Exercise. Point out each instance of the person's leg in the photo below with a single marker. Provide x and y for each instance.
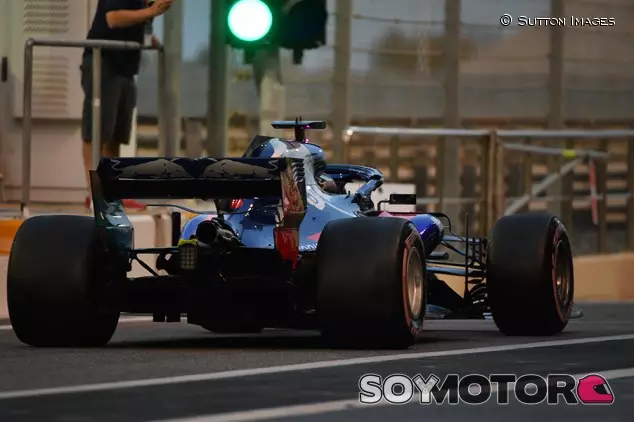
(110, 149)
(86, 123)
(110, 96)
(123, 126)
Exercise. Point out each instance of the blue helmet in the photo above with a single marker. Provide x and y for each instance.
(275, 148)
(261, 149)
(319, 157)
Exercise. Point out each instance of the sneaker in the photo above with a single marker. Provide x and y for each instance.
(131, 203)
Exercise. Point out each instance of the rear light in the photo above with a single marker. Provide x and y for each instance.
(188, 254)
(235, 204)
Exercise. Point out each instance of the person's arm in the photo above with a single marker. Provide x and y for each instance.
(117, 16)
(126, 18)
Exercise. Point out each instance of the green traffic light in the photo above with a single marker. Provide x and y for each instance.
(250, 20)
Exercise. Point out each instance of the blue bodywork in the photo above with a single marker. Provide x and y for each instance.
(277, 183)
(253, 222)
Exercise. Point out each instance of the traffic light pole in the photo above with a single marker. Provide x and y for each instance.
(267, 72)
(260, 28)
(340, 117)
(217, 86)
(173, 43)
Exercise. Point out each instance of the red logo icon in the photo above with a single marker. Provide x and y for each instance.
(594, 389)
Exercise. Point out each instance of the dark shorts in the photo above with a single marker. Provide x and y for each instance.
(118, 100)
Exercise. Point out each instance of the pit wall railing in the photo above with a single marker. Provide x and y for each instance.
(585, 176)
(164, 102)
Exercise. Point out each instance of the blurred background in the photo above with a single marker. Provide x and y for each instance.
(402, 64)
(396, 65)
(400, 73)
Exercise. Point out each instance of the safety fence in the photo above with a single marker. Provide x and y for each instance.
(391, 63)
(585, 176)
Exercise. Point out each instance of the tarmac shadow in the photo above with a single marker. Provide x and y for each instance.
(268, 339)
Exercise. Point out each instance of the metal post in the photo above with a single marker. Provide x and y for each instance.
(193, 138)
(449, 148)
(4, 112)
(217, 113)
(556, 92)
(162, 99)
(27, 127)
(173, 29)
(629, 222)
(341, 78)
(602, 206)
(27, 123)
(96, 107)
(487, 182)
(270, 87)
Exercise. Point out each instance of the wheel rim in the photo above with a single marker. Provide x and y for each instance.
(562, 279)
(414, 281)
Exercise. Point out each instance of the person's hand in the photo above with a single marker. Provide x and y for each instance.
(155, 42)
(161, 6)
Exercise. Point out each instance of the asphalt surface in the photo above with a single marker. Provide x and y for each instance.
(193, 373)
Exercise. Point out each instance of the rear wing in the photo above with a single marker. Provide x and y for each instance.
(299, 126)
(202, 178)
(195, 178)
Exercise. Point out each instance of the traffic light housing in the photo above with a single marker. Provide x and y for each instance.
(303, 24)
(297, 25)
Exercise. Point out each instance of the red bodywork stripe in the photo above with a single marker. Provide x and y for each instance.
(287, 243)
(407, 216)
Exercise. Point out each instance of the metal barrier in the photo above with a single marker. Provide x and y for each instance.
(97, 46)
(492, 200)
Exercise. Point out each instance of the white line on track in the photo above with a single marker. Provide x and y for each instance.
(214, 376)
(123, 319)
(334, 406)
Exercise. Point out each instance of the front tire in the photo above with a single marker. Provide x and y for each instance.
(371, 282)
(530, 276)
(54, 269)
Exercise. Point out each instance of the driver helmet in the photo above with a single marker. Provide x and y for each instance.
(318, 156)
(267, 149)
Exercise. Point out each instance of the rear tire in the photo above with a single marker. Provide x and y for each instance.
(54, 268)
(530, 277)
(364, 297)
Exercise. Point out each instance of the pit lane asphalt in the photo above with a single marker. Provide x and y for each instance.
(145, 350)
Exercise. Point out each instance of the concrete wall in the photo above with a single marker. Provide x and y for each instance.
(598, 278)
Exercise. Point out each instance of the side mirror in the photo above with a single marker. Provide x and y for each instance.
(403, 199)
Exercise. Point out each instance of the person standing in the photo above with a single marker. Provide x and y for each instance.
(120, 20)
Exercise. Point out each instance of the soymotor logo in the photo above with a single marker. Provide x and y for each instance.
(478, 389)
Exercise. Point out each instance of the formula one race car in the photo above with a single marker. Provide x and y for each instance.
(289, 247)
